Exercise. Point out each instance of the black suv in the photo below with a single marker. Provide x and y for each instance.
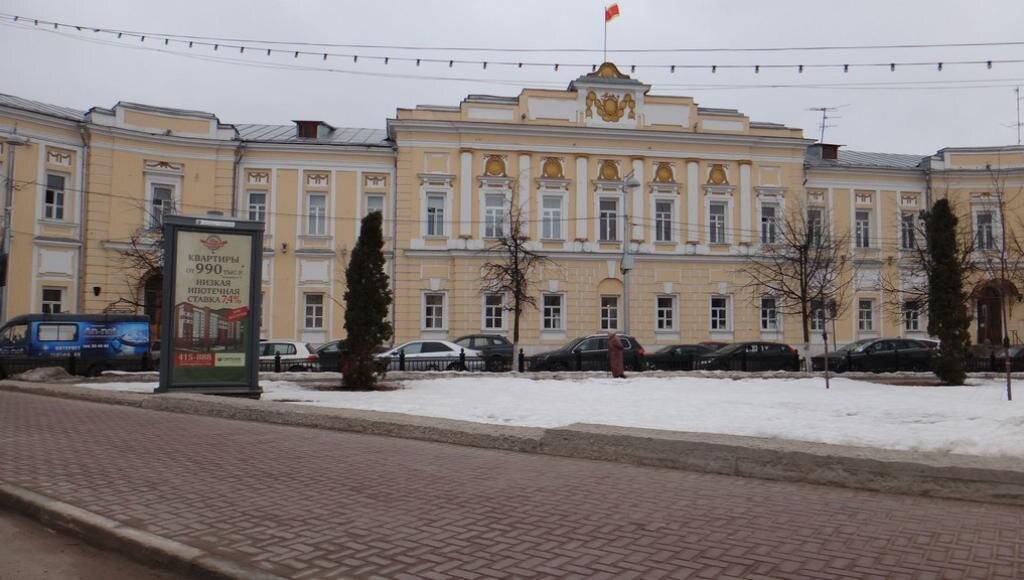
(752, 356)
(879, 355)
(589, 353)
(496, 348)
(678, 357)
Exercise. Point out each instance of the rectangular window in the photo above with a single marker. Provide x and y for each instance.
(161, 204)
(257, 206)
(865, 315)
(494, 312)
(53, 204)
(316, 214)
(908, 231)
(374, 203)
(494, 215)
(911, 317)
(815, 226)
(314, 310)
(769, 314)
(716, 223)
(609, 313)
(552, 312)
(435, 215)
(53, 300)
(666, 313)
(551, 217)
(719, 313)
(433, 311)
(58, 332)
(818, 316)
(984, 230)
(663, 221)
(768, 224)
(608, 220)
(862, 228)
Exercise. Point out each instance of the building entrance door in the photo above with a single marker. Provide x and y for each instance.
(990, 317)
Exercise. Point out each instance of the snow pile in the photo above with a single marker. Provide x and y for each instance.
(43, 375)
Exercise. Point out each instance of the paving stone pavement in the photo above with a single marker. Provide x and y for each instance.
(310, 503)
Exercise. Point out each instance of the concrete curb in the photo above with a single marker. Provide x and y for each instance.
(985, 479)
(137, 544)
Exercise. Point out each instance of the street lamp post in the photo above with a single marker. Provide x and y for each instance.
(628, 185)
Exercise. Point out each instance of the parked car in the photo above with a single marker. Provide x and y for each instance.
(329, 354)
(752, 356)
(677, 357)
(496, 349)
(713, 344)
(295, 356)
(428, 355)
(1014, 353)
(592, 355)
(879, 355)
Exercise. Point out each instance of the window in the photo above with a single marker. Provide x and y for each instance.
(429, 347)
(608, 220)
(14, 334)
(984, 230)
(551, 217)
(862, 228)
(768, 224)
(494, 215)
(374, 203)
(716, 223)
(162, 203)
(257, 206)
(53, 300)
(552, 312)
(53, 204)
(818, 317)
(911, 316)
(494, 312)
(719, 313)
(57, 332)
(314, 310)
(609, 313)
(865, 315)
(316, 214)
(435, 215)
(815, 226)
(433, 311)
(908, 231)
(665, 314)
(769, 314)
(663, 221)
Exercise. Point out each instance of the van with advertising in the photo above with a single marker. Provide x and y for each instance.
(98, 342)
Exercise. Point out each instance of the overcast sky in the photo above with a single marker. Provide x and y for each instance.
(70, 72)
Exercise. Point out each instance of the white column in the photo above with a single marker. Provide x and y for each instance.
(466, 194)
(745, 202)
(692, 202)
(582, 185)
(637, 212)
(524, 192)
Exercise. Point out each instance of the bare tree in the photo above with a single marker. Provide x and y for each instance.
(142, 259)
(510, 269)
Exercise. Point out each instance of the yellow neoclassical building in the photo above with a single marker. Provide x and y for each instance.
(647, 205)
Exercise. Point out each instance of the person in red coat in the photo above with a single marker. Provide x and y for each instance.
(615, 356)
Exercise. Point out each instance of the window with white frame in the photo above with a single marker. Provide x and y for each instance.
(908, 231)
(911, 316)
(665, 314)
(314, 304)
(494, 312)
(815, 226)
(984, 230)
(866, 315)
(769, 223)
(717, 223)
(494, 215)
(719, 313)
(551, 312)
(862, 228)
(551, 217)
(53, 202)
(161, 203)
(52, 300)
(608, 219)
(435, 214)
(609, 313)
(818, 317)
(316, 214)
(769, 314)
(433, 311)
(374, 203)
(663, 220)
(257, 206)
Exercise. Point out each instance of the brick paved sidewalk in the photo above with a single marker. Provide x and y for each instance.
(309, 503)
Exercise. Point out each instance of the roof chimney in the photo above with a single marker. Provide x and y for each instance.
(312, 129)
(825, 151)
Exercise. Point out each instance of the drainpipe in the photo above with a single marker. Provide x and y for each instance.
(11, 140)
(394, 251)
(239, 153)
(83, 214)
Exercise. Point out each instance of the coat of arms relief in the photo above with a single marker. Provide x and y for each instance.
(610, 107)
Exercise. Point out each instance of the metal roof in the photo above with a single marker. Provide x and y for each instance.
(867, 159)
(289, 134)
(41, 108)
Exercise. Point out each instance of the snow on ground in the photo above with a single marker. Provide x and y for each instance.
(974, 420)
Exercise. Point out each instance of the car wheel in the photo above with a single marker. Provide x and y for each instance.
(558, 367)
(96, 370)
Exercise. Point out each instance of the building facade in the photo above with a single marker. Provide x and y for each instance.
(648, 206)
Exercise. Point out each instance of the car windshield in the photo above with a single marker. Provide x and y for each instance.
(856, 346)
(731, 348)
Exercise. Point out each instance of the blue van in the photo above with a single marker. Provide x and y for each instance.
(97, 342)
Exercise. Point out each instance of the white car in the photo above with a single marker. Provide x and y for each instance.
(428, 355)
(295, 356)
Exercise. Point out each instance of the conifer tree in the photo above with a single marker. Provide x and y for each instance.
(367, 300)
(947, 312)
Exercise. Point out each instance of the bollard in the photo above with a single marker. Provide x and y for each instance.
(462, 359)
(401, 360)
(522, 361)
(277, 362)
(579, 360)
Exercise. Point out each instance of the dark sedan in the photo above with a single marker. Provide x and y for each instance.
(879, 355)
(678, 357)
(496, 348)
(752, 356)
(589, 353)
(329, 354)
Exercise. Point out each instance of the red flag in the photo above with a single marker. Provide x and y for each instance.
(611, 12)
